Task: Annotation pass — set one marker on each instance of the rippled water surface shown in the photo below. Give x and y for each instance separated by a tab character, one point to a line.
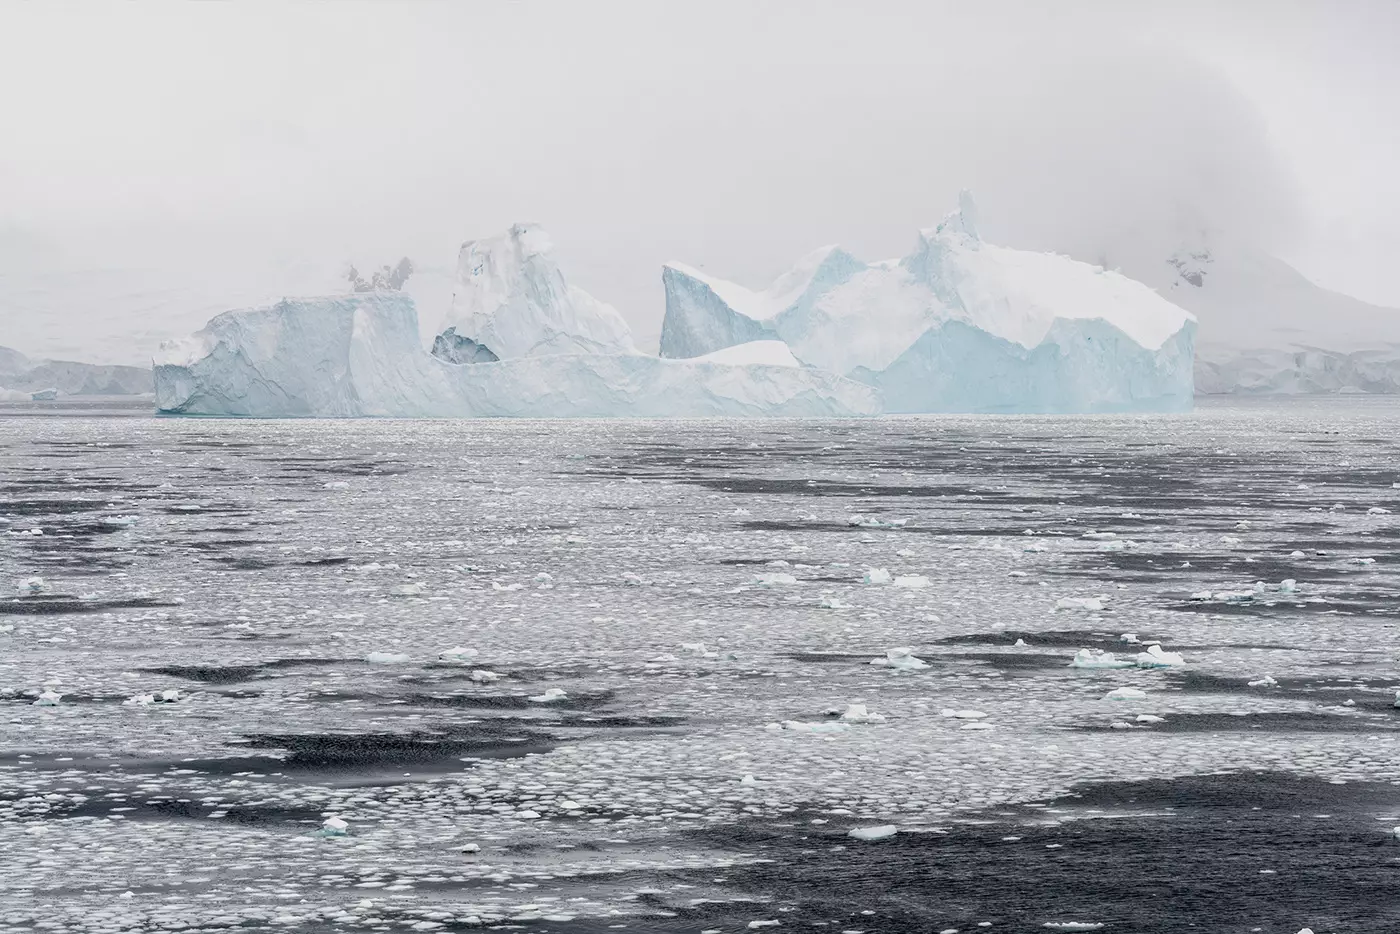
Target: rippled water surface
374	621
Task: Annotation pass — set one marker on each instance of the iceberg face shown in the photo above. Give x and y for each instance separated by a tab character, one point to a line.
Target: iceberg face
959	325
705	314
511	299
357	355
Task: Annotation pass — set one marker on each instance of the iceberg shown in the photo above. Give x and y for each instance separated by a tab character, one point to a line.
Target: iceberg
360	355
510	300
958	325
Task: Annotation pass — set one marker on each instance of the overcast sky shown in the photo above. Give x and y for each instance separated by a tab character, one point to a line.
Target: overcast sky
263	144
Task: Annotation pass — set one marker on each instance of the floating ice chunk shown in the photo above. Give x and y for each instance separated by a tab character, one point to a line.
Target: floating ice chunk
631	579
871	522
457	654
1020	644
741	511
774	580
1378	511
33	586
1125	694
834	603
902	658
335	827
550	696
1129	637
879	832
963	714
1363	560
755	925
387	658
1265	682
1397	700
407	590
911	581
171	696
528	814
139	700
1150	718
1035	546
1097	658
543	578
698	650
804	726
119	522
48	699
510	588
876	576
906	553
1099	536
336	485
1156	657
484	675
1076	925
975	725
857	713
1091	604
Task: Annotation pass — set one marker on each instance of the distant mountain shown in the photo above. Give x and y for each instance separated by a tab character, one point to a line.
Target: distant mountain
1265	328
18	372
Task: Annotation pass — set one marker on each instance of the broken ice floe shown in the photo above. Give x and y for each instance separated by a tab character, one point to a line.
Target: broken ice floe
33	587
902	658
1156	657
49	698
457	654
876	576
1265	682
1091	604
550	696
1125	693
858	713
880	832
335	827
912	581
388	658
1097	658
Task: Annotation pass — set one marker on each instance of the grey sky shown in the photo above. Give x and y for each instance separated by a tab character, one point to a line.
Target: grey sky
264	144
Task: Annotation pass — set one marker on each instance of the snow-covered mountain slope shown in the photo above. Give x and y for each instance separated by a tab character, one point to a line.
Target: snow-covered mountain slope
1263	327
360	355
18	372
511	299
957	325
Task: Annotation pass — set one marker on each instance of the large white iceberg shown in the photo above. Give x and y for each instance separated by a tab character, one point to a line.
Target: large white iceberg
360	354
959	325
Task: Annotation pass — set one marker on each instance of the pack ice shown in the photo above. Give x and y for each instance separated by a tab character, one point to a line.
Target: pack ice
520	341
958	325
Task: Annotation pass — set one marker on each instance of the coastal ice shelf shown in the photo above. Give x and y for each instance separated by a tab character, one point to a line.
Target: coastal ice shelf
957	326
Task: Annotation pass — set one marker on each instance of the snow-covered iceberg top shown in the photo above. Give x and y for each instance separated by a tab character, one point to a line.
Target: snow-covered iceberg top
511	299
957	325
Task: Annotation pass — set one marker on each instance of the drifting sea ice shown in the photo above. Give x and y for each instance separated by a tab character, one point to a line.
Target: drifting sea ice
550	696
1097	658
388	658
902	658
877	576
1091	604
879	832
1156	657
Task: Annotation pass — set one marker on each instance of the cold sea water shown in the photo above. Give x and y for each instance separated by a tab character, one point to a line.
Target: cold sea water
702	676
